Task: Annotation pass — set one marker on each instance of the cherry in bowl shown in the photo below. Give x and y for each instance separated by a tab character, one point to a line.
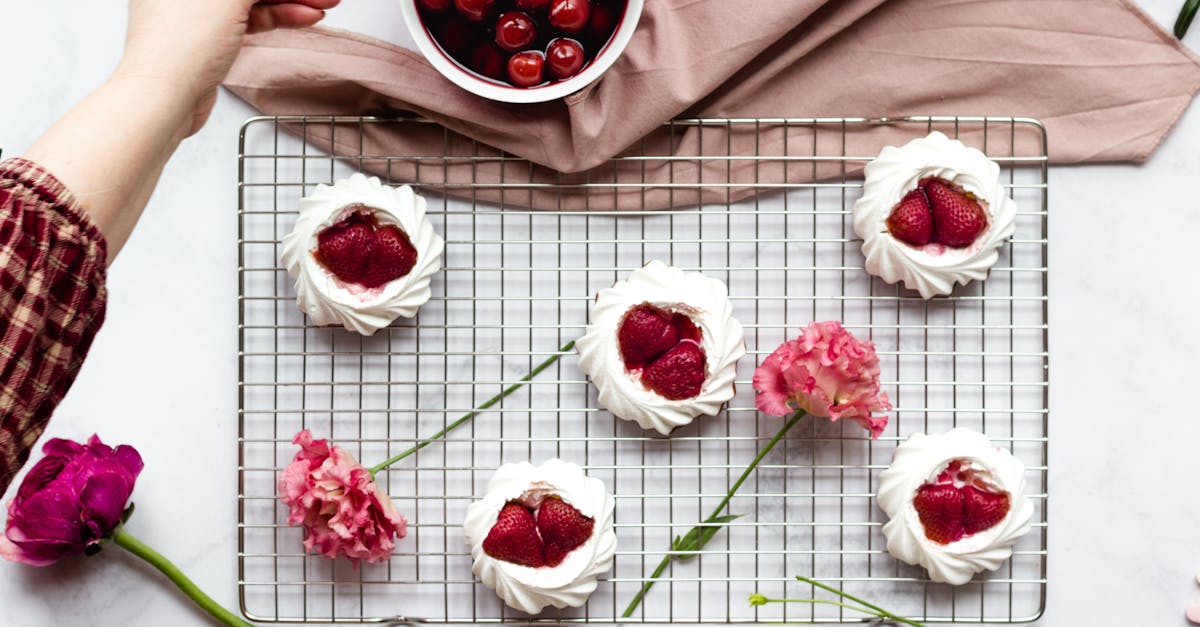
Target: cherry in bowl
522	43
564	57
526	69
515	31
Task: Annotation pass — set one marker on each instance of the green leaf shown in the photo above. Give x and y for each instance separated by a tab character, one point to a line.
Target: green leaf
693	541
126	514
1186	15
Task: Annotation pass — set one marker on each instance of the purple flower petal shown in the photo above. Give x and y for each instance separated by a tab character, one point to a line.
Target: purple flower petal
128	457
103	499
69	500
58	447
40	475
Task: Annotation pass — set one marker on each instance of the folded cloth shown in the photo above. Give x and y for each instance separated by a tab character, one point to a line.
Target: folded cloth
1107	82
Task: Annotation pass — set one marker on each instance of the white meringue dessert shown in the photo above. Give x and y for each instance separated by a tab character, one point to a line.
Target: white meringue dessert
541	535
662	347
381	242
956	504
949	246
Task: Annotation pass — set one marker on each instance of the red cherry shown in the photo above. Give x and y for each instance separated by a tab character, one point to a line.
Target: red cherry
603	22
454	35
532	5
515	31
525	68
570	15
564	57
488	60
434	5
474	10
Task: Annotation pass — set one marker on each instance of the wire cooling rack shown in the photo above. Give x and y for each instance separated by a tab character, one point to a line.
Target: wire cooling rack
517	284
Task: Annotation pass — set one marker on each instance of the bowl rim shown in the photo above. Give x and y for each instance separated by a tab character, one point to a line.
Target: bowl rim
522	95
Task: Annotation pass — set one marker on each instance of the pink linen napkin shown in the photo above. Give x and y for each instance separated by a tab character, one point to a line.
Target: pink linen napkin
1104	78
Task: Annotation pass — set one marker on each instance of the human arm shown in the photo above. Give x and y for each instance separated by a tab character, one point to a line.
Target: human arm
70	205
111	148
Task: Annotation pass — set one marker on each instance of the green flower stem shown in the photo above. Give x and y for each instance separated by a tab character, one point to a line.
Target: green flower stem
122	539
866	608
855	608
1186	15
474	412
662	566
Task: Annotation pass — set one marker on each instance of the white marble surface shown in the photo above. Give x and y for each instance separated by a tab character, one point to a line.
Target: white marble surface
162	374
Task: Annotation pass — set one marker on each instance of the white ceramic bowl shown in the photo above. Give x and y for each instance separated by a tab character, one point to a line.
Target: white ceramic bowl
494	90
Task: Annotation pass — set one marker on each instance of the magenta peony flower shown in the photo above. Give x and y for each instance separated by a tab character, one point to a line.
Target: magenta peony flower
71	500
826	372
336	500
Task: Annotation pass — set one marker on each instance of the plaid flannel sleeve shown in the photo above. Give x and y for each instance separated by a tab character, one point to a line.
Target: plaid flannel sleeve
52	300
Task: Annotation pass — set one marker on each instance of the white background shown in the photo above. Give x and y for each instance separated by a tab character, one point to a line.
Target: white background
162	375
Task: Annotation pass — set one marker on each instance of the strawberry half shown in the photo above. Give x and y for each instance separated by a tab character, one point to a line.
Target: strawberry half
645	333
911	221
563	528
514	538
982	510
393	256
958	220
345	247
679	373
940	508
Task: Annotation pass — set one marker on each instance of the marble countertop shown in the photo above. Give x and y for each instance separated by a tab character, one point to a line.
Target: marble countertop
163	373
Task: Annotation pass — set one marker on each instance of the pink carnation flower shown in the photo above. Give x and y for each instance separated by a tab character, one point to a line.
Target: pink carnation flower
828	373
336	500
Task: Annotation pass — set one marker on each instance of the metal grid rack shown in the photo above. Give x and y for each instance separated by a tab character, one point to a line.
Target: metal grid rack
517	284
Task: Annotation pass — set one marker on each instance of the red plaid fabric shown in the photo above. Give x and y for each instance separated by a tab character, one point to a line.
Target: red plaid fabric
52	297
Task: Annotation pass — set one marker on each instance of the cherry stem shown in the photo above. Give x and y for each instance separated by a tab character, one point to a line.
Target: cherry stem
474	412
666	560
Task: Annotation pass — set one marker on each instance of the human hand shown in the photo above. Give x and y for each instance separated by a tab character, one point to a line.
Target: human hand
189	45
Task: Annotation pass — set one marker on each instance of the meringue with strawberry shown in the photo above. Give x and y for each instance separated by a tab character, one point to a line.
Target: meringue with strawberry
663	347
542	535
956	504
362	254
933	213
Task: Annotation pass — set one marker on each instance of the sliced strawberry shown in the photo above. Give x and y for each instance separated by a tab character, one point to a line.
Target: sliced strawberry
957	217
345	247
563	528
679	373
911	221
393	257
982	510
514	538
645	333
940	508
687	329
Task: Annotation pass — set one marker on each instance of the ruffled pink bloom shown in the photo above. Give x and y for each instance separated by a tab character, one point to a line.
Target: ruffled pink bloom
828	373
337	502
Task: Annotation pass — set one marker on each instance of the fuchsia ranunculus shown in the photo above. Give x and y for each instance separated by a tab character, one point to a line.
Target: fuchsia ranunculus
826	372
71	499
335	499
